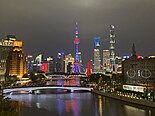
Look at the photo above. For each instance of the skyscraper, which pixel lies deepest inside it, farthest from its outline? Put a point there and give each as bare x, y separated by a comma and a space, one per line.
97, 60
12, 58
69, 63
6, 45
81, 68
51, 64
112, 48
48, 65
76, 42
38, 63
29, 63
60, 63
106, 60
16, 61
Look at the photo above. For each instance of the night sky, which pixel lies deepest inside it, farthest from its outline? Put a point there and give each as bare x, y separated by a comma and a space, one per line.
48, 26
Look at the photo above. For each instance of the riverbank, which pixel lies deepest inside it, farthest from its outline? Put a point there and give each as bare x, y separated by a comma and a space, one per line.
126, 99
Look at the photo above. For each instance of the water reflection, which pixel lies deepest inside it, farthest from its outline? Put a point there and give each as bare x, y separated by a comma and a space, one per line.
66, 81
77, 104
100, 105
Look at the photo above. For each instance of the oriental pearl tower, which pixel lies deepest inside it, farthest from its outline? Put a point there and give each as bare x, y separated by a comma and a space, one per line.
76, 42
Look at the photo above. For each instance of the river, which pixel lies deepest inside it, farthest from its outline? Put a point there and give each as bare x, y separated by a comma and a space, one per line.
76, 104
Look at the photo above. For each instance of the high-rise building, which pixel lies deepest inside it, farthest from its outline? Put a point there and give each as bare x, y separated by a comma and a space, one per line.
106, 60
51, 64
60, 63
69, 64
6, 45
48, 65
16, 61
118, 62
37, 65
81, 68
39, 59
97, 60
29, 63
112, 48
76, 42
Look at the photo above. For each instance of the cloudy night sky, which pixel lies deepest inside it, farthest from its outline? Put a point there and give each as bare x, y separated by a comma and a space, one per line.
48, 26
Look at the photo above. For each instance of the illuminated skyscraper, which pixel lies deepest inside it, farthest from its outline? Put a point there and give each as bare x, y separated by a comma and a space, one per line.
37, 66
16, 61
81, 67
48, 65
60, 63
97, 60
106, 60
112, 48
51, 64
39, 59
12, 58
5, 47
76, 42
29, 63
69, 63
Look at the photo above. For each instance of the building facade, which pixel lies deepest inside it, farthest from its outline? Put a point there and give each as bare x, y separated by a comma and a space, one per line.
106, 60
60, 63
16, 61
112, 49
6, 45
97, 60
139, 71
69, 64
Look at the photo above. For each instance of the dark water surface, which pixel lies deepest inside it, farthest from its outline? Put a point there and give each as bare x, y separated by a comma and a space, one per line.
77, 104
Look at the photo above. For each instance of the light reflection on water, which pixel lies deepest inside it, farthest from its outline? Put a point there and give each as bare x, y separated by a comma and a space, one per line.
77, 104
75, 81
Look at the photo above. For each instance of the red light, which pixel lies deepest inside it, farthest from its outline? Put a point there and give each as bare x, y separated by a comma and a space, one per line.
140, 57
44, 67
76, 62
76, 40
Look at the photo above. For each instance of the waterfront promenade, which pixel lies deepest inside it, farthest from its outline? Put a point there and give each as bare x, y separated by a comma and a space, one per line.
126, 99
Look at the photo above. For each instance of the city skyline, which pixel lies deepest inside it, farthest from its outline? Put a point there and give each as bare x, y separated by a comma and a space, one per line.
48, 27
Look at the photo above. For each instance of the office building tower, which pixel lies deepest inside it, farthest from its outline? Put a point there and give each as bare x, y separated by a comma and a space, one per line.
29, 63
76, 42
60, 63
16, 61
39, 59
97, 60
51, 64
69, 64
37, 66
112, 48
118, 63
48, 65
6, 45
81, 67
106, 60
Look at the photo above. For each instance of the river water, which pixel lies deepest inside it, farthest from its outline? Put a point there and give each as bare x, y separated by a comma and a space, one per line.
76, 104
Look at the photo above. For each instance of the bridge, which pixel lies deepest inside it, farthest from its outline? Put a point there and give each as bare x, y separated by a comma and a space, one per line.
49, 76
31, 89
